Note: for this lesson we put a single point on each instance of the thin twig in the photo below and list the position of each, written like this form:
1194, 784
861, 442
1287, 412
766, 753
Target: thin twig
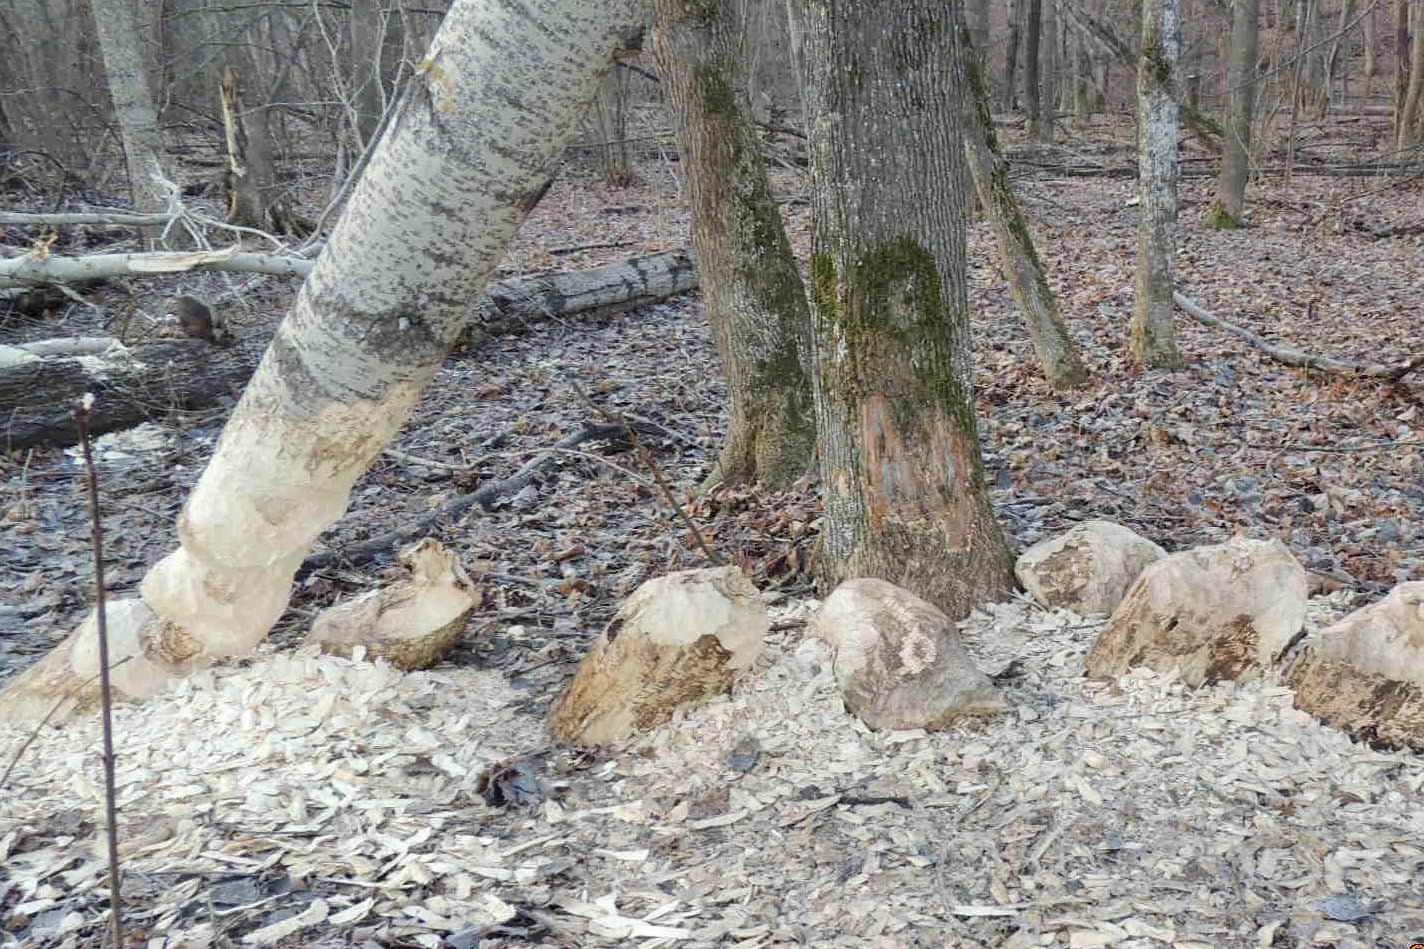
652, 465
82, 414
39, 726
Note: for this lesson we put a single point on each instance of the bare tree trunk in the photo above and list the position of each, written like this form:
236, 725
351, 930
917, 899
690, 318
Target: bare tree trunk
1334, 68
1371, 59
1154, 339
1011, 55
254, 199
1236, 151
1401, 70
905, 494
1411, 125
368, 96
1022, 267
1033, 91
979, 31
1082, 82
751, 284
1047, 74
133, 105
611, 114
425, 227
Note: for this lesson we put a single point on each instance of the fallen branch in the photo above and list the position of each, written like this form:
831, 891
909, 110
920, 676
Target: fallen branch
485, 496
30, 270
100, 216
1296, 357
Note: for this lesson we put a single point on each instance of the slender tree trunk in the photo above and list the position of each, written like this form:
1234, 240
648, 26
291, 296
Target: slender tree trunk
1011, 55
1401, 70
1371, 60
1033, 89
1334, 69
979, 30
1412, 115
464, 161
368, 96
1082, 82
751, 284
905, 494
1022, 266
254, 199
1236, 144
133, 105
611, 111
1154, 340
1047, 74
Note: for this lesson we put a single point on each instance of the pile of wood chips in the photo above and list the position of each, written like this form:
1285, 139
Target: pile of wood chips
329, 802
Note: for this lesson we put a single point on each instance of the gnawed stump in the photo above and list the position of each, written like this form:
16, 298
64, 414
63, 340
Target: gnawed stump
1365, 673
899, 660
676, 640
1088, 569
1222, 612
412, 623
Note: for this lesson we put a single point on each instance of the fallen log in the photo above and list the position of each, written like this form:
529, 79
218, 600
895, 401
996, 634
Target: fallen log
40, 381
1296, 357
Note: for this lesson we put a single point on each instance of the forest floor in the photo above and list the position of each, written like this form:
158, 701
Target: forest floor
1316, 848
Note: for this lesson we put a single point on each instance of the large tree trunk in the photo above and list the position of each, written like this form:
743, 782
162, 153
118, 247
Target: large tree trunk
751, 285
1022, 267
905, 495
1033, 91
1154, 340
133, 105
470, 150
1241, 78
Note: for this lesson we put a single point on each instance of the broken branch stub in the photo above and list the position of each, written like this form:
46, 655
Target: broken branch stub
678, 639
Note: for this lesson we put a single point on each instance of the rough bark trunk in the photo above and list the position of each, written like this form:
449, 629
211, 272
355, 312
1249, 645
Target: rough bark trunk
469, 151
1371, 58
1401, 69
979, 31
905, 494
133, 105
1011, 55
751, 284
1047, 75
1154, 340
1082, 82
1236, 151
1033, 91
611, 113
1411, 124
1022, 267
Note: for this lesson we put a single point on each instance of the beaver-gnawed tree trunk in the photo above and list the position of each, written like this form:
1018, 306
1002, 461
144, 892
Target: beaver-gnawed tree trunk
905, 494
751, 285
469, 151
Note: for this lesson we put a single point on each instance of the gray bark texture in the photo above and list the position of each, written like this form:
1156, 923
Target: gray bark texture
1154, 340
1047, 74
751, 285
1022, 266
129, 91
1033, 39
905, 494
1236, 148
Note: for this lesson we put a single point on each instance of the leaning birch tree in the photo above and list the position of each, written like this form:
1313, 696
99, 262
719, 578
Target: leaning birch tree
1154, 339
751, 285
470, 149
902, 477
1236, 146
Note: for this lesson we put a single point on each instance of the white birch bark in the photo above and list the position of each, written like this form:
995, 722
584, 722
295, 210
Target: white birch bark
470, 149
1154, 341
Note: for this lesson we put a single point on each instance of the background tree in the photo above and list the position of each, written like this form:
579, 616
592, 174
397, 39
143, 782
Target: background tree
751, 285
1154, 338
903, 481
472, 148
1236, 147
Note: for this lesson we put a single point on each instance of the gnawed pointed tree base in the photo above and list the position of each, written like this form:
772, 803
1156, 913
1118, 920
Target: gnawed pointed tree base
146, 655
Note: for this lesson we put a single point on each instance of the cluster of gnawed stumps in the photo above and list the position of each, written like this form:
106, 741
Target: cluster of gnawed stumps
1225, 612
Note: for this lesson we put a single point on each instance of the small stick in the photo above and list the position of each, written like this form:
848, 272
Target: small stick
83, 415
652, 465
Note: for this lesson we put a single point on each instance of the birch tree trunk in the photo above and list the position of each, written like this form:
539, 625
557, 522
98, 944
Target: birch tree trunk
1022, 267
470, 149
1236, 144
751, 284
129, 91
1154, 340
905, 494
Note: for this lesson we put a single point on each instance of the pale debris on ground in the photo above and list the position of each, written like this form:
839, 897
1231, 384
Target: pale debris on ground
1132, 813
